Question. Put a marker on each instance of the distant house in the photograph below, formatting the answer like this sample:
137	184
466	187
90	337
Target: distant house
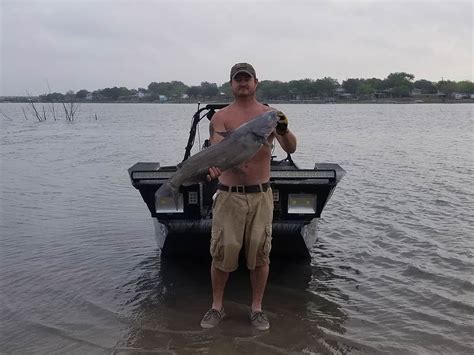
140	95
415	92
458	95
90	96
163	98
383	94
345	95
340	93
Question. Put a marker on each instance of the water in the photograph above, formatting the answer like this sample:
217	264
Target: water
392	271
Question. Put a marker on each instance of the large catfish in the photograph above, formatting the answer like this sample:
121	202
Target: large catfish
237	147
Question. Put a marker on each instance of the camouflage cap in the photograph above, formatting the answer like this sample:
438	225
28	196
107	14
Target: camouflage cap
242	68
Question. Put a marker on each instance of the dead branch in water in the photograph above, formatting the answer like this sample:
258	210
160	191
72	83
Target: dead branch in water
24	113
68	102
36	113
52	104
70	110
34	110
44	113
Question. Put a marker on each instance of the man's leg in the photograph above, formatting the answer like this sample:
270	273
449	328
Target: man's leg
224	248
258	279
219	280
214	316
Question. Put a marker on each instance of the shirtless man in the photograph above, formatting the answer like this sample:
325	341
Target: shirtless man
243	205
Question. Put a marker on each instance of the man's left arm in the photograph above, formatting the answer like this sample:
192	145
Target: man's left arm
284	136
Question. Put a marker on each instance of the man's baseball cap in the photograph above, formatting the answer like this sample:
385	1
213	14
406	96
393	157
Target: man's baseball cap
242	68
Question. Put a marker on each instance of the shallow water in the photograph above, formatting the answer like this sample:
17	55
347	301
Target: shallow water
391	272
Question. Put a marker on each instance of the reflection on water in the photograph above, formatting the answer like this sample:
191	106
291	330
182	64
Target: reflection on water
168	299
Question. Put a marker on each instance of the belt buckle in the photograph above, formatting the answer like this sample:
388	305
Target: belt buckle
240	188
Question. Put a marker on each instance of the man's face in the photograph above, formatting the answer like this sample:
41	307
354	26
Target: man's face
243	85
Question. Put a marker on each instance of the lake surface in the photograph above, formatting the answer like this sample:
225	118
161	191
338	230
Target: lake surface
392	271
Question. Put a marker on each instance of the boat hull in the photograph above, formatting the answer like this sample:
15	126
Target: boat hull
192	239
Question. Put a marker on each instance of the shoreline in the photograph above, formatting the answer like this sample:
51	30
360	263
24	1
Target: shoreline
411	100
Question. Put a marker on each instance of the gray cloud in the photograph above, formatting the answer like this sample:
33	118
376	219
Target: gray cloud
96	44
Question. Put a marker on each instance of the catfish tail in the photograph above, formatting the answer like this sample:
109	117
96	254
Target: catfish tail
164	194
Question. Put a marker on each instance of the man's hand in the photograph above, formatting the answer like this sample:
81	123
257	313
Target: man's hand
282	125
214	173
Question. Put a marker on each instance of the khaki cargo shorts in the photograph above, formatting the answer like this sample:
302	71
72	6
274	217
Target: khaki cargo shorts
241	219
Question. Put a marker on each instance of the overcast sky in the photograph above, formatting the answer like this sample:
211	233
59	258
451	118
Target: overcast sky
79	44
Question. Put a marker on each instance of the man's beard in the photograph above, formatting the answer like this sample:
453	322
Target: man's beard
244	92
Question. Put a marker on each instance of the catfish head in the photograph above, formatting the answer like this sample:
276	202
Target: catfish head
262	126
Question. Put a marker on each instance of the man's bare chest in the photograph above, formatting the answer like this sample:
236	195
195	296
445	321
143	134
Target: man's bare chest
232	122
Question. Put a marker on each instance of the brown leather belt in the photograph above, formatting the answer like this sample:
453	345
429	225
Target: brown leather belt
244	189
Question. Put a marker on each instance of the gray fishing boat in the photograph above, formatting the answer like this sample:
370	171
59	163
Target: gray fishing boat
299	196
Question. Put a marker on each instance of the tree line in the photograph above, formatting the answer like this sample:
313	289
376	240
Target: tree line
395	85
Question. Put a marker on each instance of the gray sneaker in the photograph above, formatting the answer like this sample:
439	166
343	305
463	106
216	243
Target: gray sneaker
212	318
259	320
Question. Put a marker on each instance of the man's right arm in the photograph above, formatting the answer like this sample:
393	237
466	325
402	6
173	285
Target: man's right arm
212	132
215	125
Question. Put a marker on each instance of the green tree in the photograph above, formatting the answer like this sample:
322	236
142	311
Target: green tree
401	90
70	95
401	78
272	90
465	86
155	89
194	91
300	89
169	89
400	83
177	89
209	89
53	97
81	94
426	87
114	93
325	87
447	86
226	89
351	85
365	89
375	83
